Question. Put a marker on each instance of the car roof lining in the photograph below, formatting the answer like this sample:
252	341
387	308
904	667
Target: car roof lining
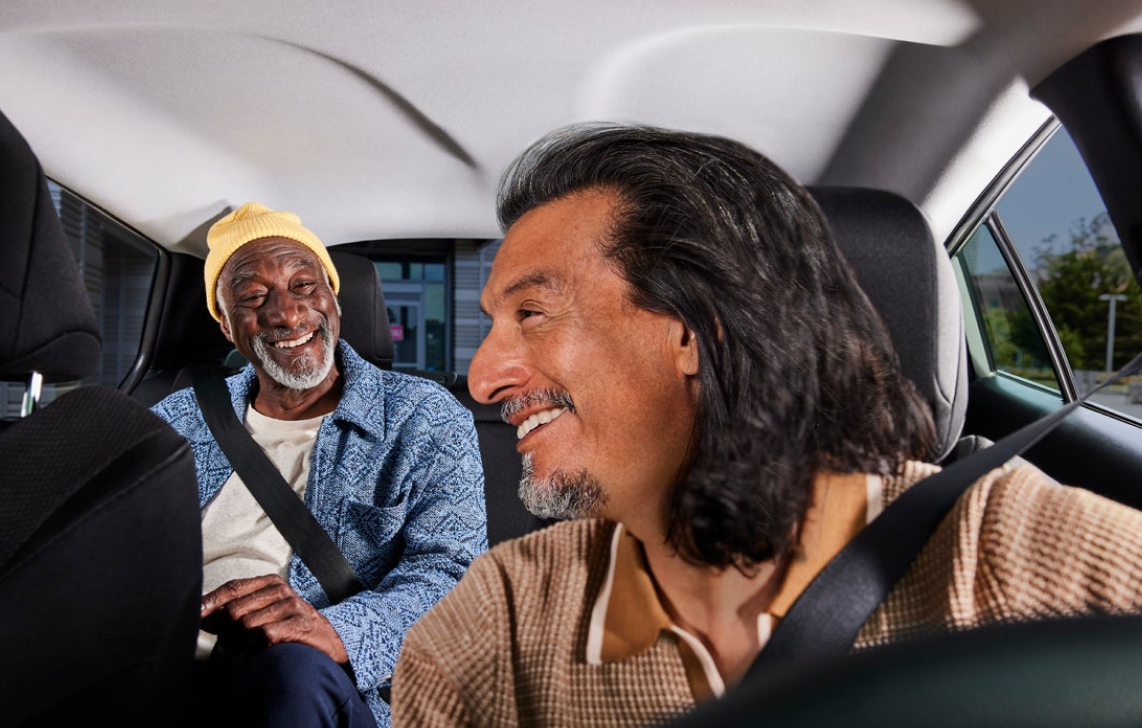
396	121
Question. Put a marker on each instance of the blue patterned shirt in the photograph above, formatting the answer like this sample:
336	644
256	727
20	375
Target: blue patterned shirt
397	482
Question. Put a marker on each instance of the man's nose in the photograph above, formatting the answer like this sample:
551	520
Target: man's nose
497	369
281	310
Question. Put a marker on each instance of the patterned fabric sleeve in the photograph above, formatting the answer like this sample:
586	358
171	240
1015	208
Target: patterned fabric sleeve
437	531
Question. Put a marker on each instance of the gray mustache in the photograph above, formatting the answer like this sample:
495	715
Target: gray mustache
552	397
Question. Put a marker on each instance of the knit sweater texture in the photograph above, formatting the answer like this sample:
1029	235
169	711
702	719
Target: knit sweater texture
506	647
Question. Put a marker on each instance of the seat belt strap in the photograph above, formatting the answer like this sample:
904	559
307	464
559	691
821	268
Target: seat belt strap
826	617
288	513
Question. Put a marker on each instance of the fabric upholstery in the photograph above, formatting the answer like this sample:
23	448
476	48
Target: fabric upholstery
100	562
186	332
908	277
48	324
364	317
100	544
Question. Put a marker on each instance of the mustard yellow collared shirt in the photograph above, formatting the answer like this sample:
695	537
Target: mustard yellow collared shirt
628	616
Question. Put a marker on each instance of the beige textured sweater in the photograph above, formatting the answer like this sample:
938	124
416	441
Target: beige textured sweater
507	646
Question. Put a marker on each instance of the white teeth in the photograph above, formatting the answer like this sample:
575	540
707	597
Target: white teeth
296	342
539	418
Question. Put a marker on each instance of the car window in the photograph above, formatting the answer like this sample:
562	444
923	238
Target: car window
1050	295
1011	340
433	300
118	268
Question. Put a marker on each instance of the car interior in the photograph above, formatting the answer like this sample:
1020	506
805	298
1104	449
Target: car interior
968	156
921	308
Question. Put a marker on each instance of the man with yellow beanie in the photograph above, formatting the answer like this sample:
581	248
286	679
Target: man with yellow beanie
387	463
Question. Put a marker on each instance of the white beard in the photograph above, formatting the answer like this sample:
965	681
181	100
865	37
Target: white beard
309	372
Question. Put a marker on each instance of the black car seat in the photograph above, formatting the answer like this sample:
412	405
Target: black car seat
100	543
908	278
364	316
185	333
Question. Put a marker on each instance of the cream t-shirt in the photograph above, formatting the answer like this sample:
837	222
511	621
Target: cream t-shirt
238	538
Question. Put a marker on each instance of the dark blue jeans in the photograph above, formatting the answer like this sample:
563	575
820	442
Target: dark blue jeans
280	686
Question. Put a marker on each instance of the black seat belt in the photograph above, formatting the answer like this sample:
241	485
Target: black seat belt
825	619
289	514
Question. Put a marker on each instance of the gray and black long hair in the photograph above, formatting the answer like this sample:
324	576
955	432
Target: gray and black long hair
797	372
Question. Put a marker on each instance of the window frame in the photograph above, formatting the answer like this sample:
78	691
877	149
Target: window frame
985	364
983	214
155	299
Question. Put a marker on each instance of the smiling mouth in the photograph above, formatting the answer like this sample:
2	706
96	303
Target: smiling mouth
294	343
537	419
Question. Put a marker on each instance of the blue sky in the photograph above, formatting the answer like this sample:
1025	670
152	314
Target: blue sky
1052	193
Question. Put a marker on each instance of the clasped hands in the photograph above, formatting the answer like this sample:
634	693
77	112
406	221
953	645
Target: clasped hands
249	614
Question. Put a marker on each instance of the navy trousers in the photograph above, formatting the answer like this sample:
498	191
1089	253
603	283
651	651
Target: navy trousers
281	686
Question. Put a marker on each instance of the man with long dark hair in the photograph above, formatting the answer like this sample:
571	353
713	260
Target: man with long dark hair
699	384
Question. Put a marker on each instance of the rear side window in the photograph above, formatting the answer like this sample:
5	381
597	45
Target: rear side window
1012	339
1048	285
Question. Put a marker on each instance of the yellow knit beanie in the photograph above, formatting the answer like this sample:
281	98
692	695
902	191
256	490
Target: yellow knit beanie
252	222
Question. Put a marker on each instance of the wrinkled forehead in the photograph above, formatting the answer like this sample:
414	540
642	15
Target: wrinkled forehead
259	256
552	246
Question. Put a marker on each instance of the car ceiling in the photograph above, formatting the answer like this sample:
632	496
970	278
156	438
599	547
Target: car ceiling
380	120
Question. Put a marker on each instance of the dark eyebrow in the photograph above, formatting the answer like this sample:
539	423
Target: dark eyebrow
536	279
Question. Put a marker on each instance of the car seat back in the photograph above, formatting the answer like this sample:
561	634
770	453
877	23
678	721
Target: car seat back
908	278
185	334
364	316
100	543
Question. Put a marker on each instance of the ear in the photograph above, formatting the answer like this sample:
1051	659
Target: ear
224	322
685	345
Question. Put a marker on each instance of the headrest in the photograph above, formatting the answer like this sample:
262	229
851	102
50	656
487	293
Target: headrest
364	316
47	323
188	334
908	277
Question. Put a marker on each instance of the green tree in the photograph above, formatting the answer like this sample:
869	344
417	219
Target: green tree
1070	284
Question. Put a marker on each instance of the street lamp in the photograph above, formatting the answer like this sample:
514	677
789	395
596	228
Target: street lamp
1114	298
